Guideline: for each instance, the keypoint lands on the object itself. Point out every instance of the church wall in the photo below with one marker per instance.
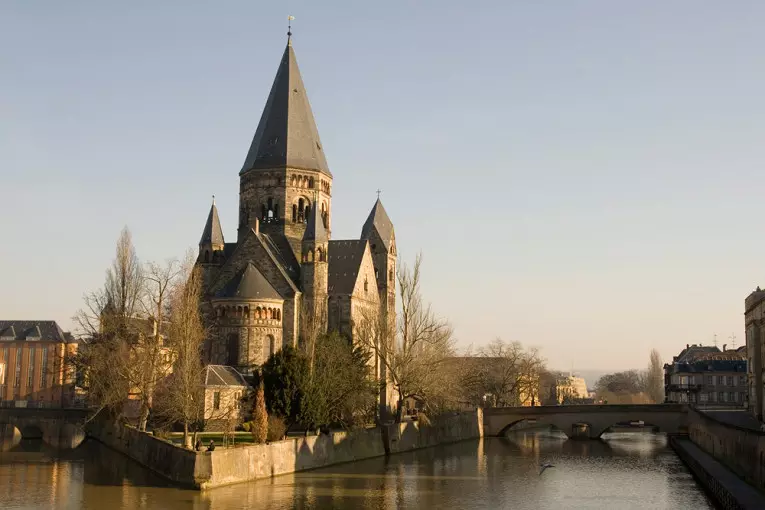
(291, 318)
(251, 249)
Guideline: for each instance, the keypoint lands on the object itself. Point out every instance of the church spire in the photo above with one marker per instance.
(287, 135)
(378, 221)
(213, 233)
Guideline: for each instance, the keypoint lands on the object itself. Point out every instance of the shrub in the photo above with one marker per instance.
(259, 423)
(276, 428)
(246, 426)
(423, 419)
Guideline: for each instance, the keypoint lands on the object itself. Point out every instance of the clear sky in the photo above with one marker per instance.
(586, 177)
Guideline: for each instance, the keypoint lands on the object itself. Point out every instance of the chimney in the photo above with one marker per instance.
(724, 346)
(687, 346)
(256, 226)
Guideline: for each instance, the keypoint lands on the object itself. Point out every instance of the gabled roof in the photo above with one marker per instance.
(344, 262)
(378, 219)
(248, 283)
(44, 331)
(287, 134)
(213, 233)
(314, 229)
(222, 375)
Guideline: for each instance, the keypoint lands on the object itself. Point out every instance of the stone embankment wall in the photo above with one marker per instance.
(185, 467)
(742, 450)
(224, 466)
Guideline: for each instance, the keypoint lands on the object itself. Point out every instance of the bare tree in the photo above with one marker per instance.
(313, 324)
(149, 362)
(104, 359)
(182, 398)
(504, 374)
(413, 354)
(655, 378)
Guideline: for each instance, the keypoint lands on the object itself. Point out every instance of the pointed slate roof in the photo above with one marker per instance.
(378, 219)
(213, 233)
(287, 134)
(314, 229)
(344, 264)
(248, 283)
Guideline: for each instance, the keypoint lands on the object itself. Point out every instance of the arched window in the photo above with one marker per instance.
(319, 254)
(301, 210)
(292, 181)
(310, 255)
(247, 312)
(263, 211)
(278, 315)
(390, 275)
(366, 285)
(310, 182)
(294, 213)
(307, 211)
(258, 313)
(269, 345)
(270, 204)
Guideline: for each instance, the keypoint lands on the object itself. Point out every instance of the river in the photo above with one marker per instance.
(626, 471)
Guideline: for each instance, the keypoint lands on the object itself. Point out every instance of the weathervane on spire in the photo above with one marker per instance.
(378, 193)
(213, 199)
(289, 29)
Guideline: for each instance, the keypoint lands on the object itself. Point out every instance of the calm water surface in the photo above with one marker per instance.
(624, 472)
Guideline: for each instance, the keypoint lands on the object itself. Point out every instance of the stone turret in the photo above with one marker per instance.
(378, 230)
(314, 271)
(211, 247)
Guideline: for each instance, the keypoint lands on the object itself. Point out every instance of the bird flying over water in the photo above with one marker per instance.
(545, 466)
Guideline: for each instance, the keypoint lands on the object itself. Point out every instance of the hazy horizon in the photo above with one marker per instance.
(585, 178)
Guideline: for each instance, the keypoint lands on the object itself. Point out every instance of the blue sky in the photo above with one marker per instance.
(585, 177)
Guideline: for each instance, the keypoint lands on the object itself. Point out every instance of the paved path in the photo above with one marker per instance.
(746, 496)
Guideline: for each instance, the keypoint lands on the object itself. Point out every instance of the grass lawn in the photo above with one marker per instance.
(205, 437)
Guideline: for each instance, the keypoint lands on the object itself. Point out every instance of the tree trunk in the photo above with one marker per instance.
(186, 434)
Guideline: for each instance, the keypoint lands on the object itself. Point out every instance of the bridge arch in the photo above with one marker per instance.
(31, 431)
(568, 428)
(63, 428)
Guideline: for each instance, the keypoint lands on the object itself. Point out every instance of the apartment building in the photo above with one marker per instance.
(706, 376)
(33, 372)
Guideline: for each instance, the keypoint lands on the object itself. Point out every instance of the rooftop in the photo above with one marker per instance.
(39, 331)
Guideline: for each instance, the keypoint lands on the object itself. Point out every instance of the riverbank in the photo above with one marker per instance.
(207, 470)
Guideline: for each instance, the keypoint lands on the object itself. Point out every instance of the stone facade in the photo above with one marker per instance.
(706, 376)
(754, 323)
(285, 271)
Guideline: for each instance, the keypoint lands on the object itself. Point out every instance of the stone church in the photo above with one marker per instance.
(284, 269)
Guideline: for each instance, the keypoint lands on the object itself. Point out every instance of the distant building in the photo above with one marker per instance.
(707, 376)
(754, 320)
(34, 373)
(571, 389)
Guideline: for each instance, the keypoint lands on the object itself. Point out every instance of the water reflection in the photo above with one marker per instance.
(624, 471)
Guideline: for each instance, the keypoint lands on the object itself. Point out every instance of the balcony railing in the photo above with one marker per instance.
(685, 386)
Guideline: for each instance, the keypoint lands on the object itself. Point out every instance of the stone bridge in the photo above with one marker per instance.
(62, 428)
(589, 421)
